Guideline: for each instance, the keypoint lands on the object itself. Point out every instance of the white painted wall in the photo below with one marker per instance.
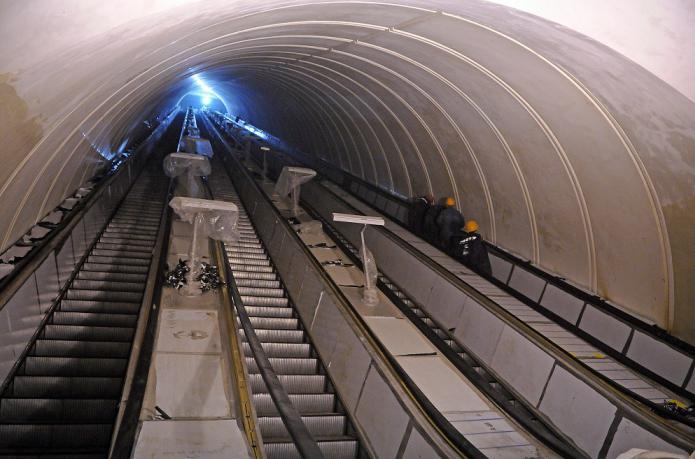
(657, 34)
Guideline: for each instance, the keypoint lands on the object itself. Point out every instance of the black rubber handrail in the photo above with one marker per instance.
(455, 439)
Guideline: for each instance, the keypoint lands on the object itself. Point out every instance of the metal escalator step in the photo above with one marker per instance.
(345, 448)
(282, 350)
(286, 366)
(107, 307)
(62, 348)
(114, 268)
(304, 403)
(248, 256)
(277, 336)
(261, 291)
(115, 228)
(112, 277)
(274, 430)
(266, 276)
(117, 234)
(64, 387)
(248, 245)
(110, 285)
(293, 384)
(119, 260)
(139, 254)
(14, 410)
(55, 437)
(249, 250)
(275, 323)
(101, 295)
(264, 301)
(73, 366)
(124, 246)
(257, 283)
(249, 261)
(250, 268)
(94, 319)
(269, 311)
(87, 333)
(111, 241)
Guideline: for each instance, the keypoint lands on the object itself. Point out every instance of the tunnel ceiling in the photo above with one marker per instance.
(567, 153)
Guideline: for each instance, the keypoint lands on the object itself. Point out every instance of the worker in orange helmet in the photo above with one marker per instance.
(469, 249)
(449, 222)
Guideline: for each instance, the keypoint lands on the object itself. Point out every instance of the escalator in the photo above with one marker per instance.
(287, 345)
(62, 396)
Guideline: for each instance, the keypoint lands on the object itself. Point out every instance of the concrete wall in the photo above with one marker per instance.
(566, 152)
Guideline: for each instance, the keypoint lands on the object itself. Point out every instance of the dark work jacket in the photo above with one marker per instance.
(470, 250)
(429, 224)
(418, 208)
(449, 222)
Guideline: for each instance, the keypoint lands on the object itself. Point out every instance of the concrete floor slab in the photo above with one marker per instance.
(190, 331)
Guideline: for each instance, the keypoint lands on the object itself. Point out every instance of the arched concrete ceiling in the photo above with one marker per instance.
(567, 153)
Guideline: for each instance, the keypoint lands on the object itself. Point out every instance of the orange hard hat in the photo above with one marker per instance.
(450, 202)
(471, 226)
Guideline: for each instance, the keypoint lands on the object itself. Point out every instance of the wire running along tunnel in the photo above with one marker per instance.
(568, 153)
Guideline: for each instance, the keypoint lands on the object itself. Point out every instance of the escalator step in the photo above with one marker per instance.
(304, 403)
(282, 350)
(65, 387)
(273, 323)
(269, 311)
(107, 307)
(96, 320)
(55, 348)
(86, 333)
(110, 285)
(273, 429)
(15, 410)
(286, 366)
(112, 277)
(293, 384)
(335, 449)
(55, 437)
(140, 254)
(264, 301)
(114, 268)
(99, 295)
(73, 366)
(277, 336)
(118, 260)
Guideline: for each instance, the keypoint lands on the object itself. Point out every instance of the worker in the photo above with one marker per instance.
(469, 248)
(430, 229)
(449, 222)
(416, 214)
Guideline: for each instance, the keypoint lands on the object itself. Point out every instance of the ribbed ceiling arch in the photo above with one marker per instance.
(546, 137)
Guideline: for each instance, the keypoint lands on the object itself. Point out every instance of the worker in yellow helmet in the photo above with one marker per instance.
(468, 247)
(449, 222)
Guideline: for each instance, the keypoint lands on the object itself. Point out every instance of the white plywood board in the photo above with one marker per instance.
(190, 385)
(210, 439)
(191, 331)
(448, 391)
(399, 336)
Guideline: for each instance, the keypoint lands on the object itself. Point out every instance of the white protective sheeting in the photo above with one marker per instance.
(219, 218)
(190, 166)
(290, 181)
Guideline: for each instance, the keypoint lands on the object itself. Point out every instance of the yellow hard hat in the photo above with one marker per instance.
(471, 226)
(450, 202)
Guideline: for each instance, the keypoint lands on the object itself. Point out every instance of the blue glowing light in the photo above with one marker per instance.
(206, 99)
